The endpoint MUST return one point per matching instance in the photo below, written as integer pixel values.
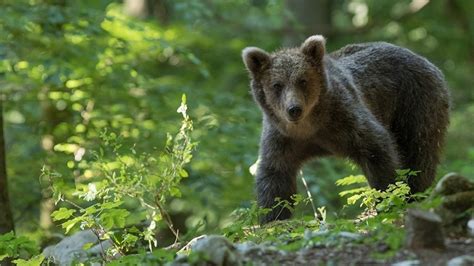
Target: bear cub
(380, 105)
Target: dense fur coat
(378, 104)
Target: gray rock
(245, 247)
(308, 234)
(470, 227)
(457, 194)
(218, 250)
(188, 246)
(423, 230)
(70, 249)
(349, 235)
(407, 263)
(459, 202)
(453, 183)
(466, 260)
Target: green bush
(121, 191)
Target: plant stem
(308, 192)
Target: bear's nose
(294, 112)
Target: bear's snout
(294, 112)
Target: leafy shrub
(383, 210)
(125, 189)
(395, 196)
(12, 246)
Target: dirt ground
(358, 254)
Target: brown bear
(380, 105)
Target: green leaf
(91, 210)
(183, 173)
(111, 204)
(353, 199)
(13, 246)
(175, 192)
(402, 172)
(114, 218)
(67, 148)
(87, 245)
(6, 237)
(62, 214)
(130, 239)
(35, 261)
(352, 179)
(353, 191)
(70, 224)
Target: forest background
(79, 75)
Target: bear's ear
(314, 47)
(256, 60)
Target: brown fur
(380, 105)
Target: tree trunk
(136, 8)
(46, 208)
(6, 219)
(146, 8)
(309, 17)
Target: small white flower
(182, 109)
(152, 226)
(91, 192)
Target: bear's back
(382, 58)
(350, 49)
(391, 78)
(364, 54)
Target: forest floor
(436, 231)
(363, 254)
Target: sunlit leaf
(35, 261)
(114, 218)
(62, 214)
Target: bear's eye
(303, 82)
(278, 86)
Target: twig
(102, 250)
(281, 210)
(96, 231)
(316, 217)
(168, 221)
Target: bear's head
(287, 84)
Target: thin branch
(308, 192)
(102, 250)
(96, 231)
(167, 218)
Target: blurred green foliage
(70, 69)
(11, 246)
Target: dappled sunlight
(133, 122)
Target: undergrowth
(121, 195)
(379, 222)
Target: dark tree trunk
(308, 17)
(6, 219)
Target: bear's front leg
(280, 161)
(275, 180)
(373, 149)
